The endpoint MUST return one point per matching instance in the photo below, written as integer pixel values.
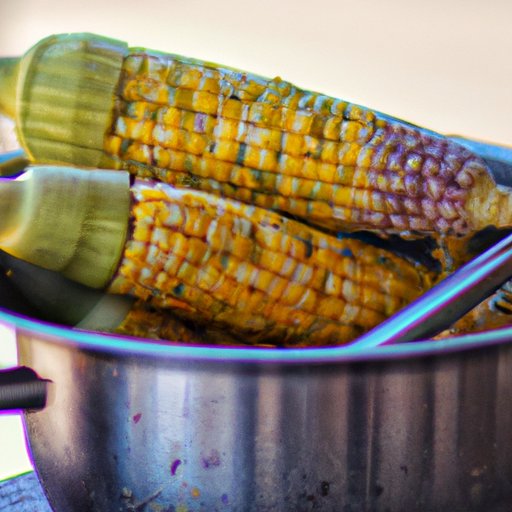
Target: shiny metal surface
(410, 427)
(447, 301)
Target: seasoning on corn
(216, 261)
(264, 142)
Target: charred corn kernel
(145, 321)
(199, 125)
(253, 272)
(181, 255)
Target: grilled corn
(216, 261)
(261, 141)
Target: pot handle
(22, 388)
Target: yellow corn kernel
(138, 102)
(289, 281)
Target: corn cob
(260, 141)
(264, 276)
(216, 261)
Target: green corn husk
(66, 220)
(64, 97)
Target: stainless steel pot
(135, 425)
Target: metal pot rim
(130, 346)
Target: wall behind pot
(445, 65)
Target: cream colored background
(446, 65)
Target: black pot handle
(22, 388)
